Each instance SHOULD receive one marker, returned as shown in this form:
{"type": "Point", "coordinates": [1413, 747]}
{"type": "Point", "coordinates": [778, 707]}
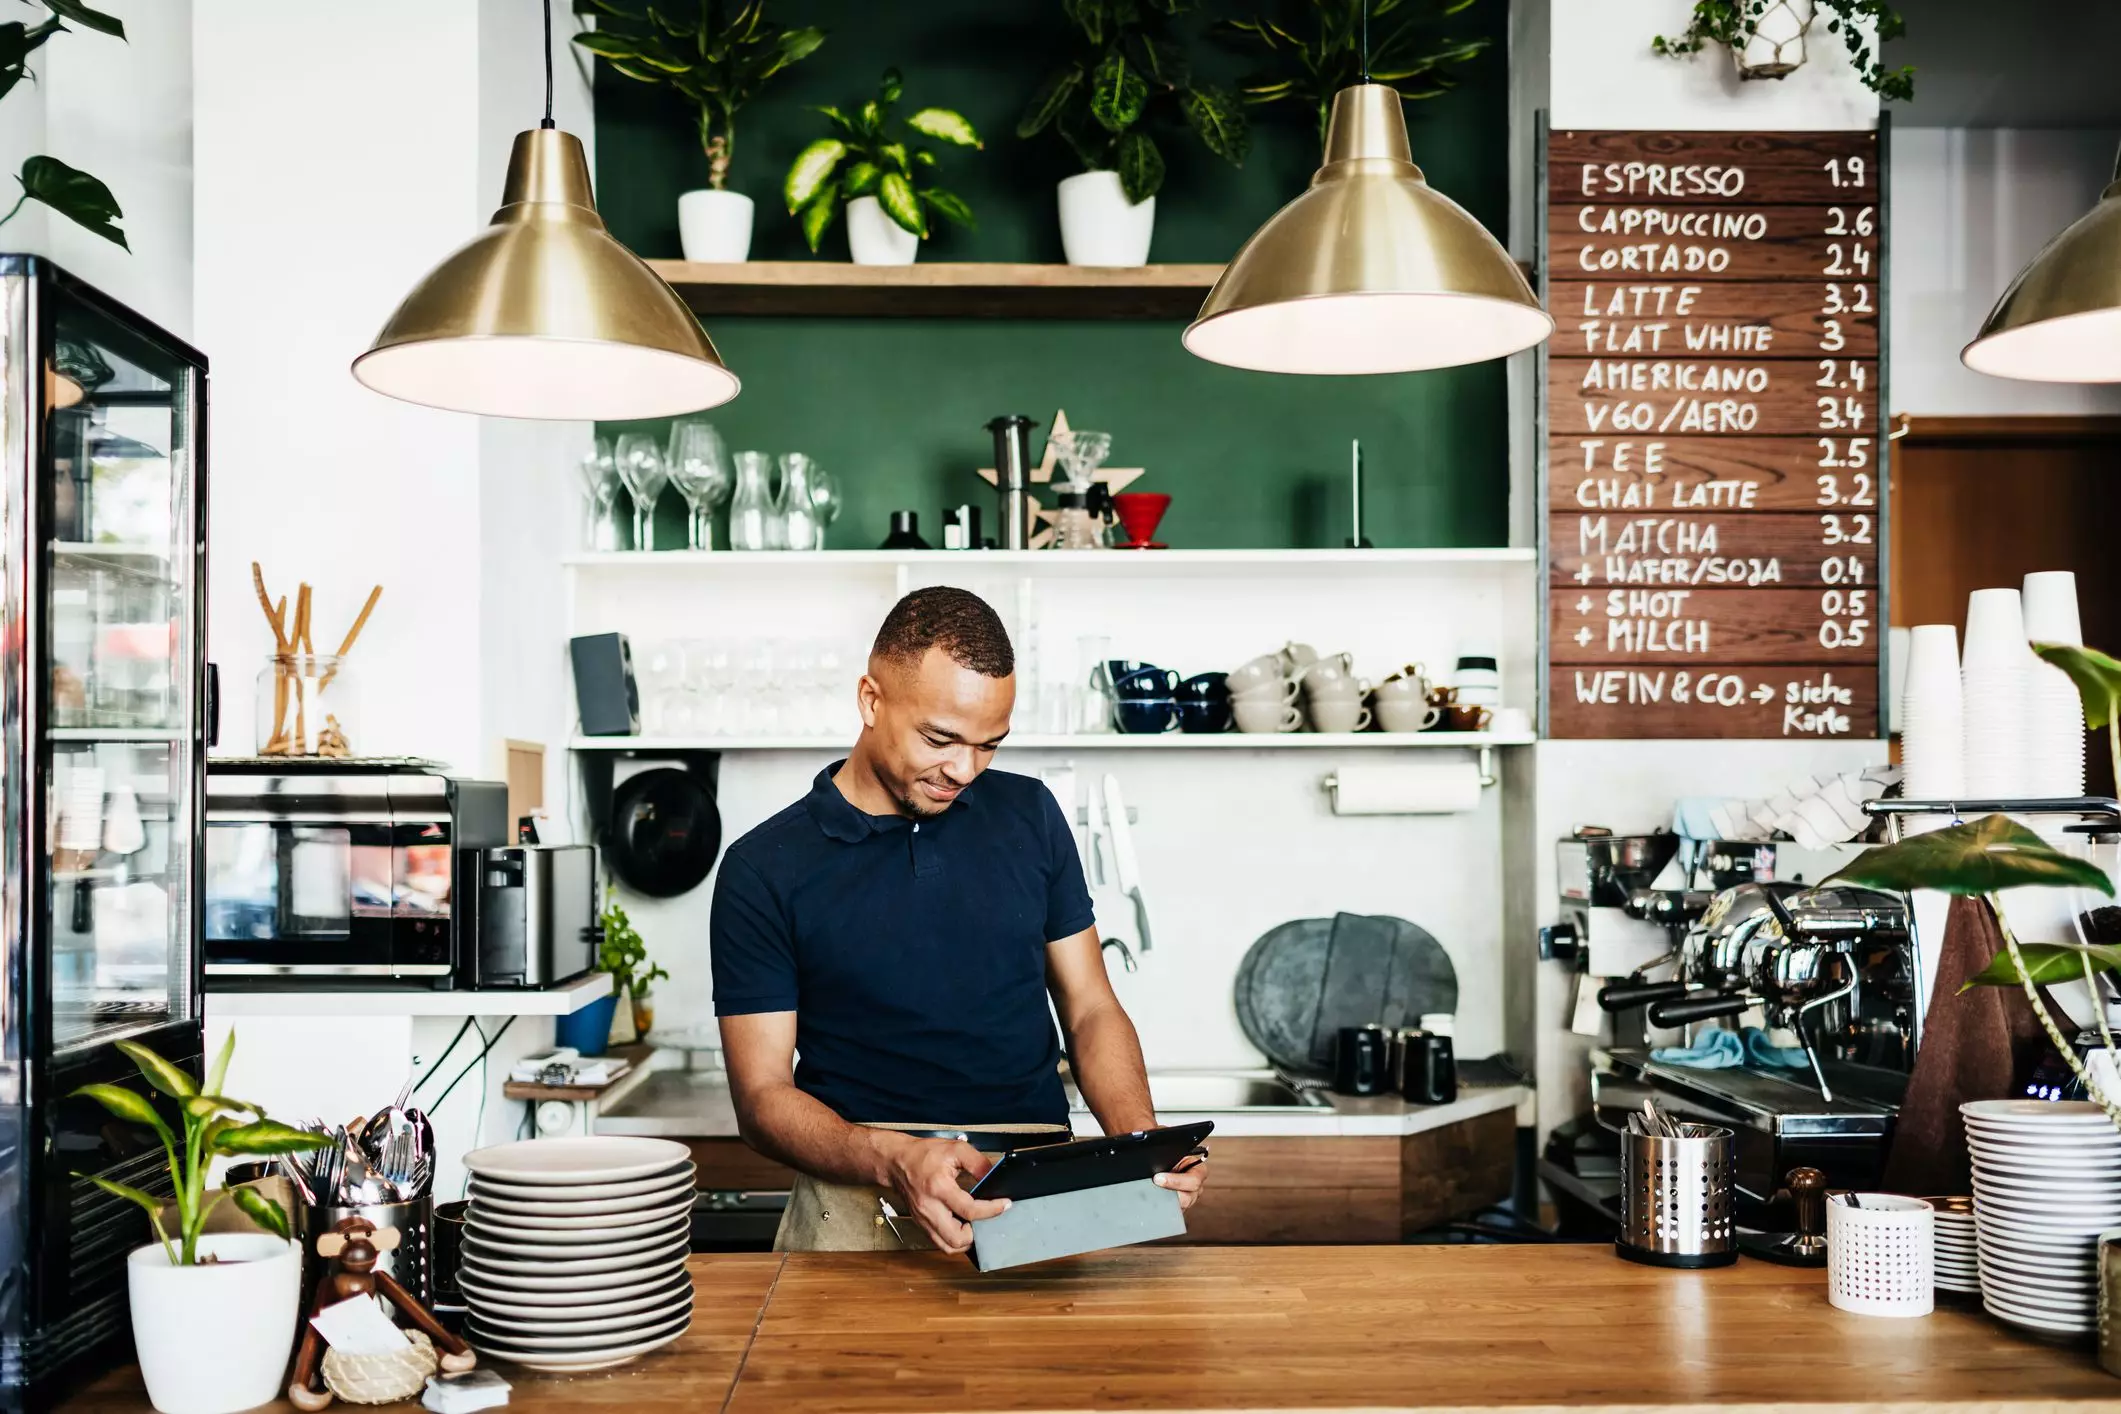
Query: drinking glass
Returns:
{"type": "Point", "coordinates": [598, 480]}
{"type": "Point", "coordinates": [699, 469]}
{"type": "Point", "coordinates": [1081, 454]}
{"type": "Point", "coordinates": [826, 499]}
{"type": "Point", "coordinates": [641, 467]}
{"type": "Point", "coordinates": [751, 507]}
{"type": "Point", "coordinates": [797, 514]}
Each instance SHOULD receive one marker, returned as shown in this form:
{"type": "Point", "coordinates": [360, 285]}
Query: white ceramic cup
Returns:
{"type": "Point", "coordinates": [1265, 714]}
{"type": "Point", "coordinates": [1264, 675]}
{"type": "Point", "coordinates": [1396, 714]}
{"type": "Point", "coordinates": [1337, 715]}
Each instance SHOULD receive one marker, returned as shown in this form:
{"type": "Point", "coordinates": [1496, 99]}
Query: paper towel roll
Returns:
{"type": "Point", "coordinates": [1425, 788]}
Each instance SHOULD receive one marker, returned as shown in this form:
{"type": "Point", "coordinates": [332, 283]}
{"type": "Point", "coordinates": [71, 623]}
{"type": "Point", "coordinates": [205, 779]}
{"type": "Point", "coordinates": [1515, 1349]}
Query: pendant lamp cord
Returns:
{"type": "Point", "coordinates": [1365, 44]}
{"type": "Point", "coordinates": [546, 7]}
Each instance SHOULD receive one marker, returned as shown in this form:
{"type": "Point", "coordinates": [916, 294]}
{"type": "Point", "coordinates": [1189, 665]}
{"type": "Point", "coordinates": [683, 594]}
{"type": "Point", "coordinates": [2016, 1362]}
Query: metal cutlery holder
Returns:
{"type": "Point", "coordinates": [1676, 1207]}
{"type": "Point", "coordinates": [412, 1264]}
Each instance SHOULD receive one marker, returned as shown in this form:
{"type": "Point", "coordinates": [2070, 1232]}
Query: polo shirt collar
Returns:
{"type": "Point", "coordinates": [840, 820]}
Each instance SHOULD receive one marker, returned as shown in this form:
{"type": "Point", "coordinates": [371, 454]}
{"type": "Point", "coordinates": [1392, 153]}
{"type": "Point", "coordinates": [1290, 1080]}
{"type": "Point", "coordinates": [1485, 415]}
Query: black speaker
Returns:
{"type": "Point", "coordinates": [604, 692]}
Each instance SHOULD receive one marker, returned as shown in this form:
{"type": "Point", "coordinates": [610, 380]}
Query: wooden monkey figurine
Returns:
{"type": "Point", "coordinates": [353, 1248]}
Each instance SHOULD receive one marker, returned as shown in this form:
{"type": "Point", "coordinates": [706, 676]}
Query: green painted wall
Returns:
{"type": "Point", "coordinates": [894, 407]}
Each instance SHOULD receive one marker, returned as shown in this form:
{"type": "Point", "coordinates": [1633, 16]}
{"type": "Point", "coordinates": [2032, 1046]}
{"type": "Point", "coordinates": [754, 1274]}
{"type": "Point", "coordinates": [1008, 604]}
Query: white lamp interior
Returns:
{"type": "Point", "coordinates": [546, 378]}
{"type": "Point", "coordinates": [1382, 332]}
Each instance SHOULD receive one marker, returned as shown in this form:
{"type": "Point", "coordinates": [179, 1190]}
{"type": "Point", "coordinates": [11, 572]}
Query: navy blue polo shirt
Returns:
{"type": "Point", "coordinates": [913, 953]}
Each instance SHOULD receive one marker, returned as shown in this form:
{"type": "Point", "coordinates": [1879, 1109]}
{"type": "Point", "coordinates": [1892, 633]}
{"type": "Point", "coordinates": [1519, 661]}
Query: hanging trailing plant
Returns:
{"type": "Point", "coordinates": [1316, 48]}
{"type": "Point", "coordinates": [1130, 69]}
{"type": "Point", "coordinates": [71, 192]}
{"type": "Point", "coordinates": [1761, 34]}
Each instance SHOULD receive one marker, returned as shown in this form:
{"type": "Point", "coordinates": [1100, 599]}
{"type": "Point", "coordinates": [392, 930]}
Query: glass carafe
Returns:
{"type": "Point", "coordinates": [751, 512]}
{"type": "Point", "coordinates": [798, 513]}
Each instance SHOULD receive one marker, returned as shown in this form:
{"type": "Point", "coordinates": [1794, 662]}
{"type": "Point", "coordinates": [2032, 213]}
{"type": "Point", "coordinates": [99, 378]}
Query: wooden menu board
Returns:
{"type": "Point", "coordinates": [1714, 506]}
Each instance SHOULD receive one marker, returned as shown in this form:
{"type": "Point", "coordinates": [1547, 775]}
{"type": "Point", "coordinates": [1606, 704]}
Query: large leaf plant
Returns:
{"type": "Point", "coordinates": [1315, 48]}
{"type": "Point", "coordinates": [716, 58]}
{"type": "Point", "coordinates": [71, 192]}
{"type": "Point", "coordinates": [1129, 69]}
{"type": "Point", "coordinates": [211, 1125]}
{"type": "Point", "coordinates": [1979, 858]}
{"type": "Point", "coordinates": [870, 155]}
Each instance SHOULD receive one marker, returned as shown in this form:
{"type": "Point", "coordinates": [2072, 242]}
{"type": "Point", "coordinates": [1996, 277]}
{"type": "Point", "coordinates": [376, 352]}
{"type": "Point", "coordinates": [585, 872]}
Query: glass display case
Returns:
{"type": "Point", "coordinates": [102, 753]}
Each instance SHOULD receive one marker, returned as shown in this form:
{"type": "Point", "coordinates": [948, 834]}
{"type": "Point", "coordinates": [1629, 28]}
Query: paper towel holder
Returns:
{"type": "Point", "coordinates": [1330, 783]}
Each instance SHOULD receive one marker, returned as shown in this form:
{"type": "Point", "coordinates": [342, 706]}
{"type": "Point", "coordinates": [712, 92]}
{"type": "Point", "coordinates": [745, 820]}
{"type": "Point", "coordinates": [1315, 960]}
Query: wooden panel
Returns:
{"type": "Point", "coordinates": [942, 290]}
{"type": "Point", "coordinates": [1713, 626]}
{"type": "Point", "coordinates": [1643, 700]}
{"type": "Point", "coordinates": [1707, 318]}
{"type": "Point", "coordinates": [1593, 241]}
{"type": "Point", "coordinates": [1356, 1162]}
{"type": "Point", "coordinates": [1321, 1216]}
{"type": "Point", "coordinates": [1710, 397]}
{"type": "Point", "coordinates": [1741, 550]}
{"type": "Point", "coordinates": [731, 1163]}
{"type": "Point", "coordinates": [1713, 168]}
{"type": "Point", "coordinates": [1455, 1171]}
{"type": "Point", "coordinates": [1629, 473]}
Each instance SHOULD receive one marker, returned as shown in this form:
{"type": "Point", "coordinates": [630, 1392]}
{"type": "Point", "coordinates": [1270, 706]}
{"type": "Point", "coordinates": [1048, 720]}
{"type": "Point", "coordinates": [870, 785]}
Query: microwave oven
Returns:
{"type": "Point", "coordinates": [363, 874]}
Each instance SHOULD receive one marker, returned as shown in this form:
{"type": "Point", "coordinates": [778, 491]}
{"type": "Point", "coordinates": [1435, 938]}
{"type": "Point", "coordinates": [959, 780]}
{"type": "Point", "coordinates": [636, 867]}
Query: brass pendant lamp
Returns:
{"type": "Point", "coordinates": [543, 314]}
{"type": "Point", "coordinates": [2060, 320]}
{"type": "Point", "coordinates": [1370, 269]}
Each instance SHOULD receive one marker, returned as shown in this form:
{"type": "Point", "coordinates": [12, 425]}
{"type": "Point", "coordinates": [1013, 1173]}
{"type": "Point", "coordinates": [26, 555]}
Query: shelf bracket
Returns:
{"type": "Point", "coordinates": [1487, 765]}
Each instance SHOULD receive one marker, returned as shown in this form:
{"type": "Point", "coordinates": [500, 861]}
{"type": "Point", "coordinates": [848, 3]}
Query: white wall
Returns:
{"type": "Point", "coordinates": [1970, 208]}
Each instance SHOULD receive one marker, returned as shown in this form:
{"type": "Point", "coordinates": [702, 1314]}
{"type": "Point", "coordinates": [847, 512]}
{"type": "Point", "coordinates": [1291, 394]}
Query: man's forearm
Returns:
{"type": "Point", "coordinates": [1106, 1057]}
{"type": "Point", "coordinates": [783, 1123]}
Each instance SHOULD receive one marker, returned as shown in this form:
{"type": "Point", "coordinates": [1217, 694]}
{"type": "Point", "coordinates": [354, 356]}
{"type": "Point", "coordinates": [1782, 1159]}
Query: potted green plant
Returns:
{"type": "Point", "coordinates": [71, 192]}
{"type": "Point", "coordinates": [1767, 37]}
{"type": "Point", "coordinates": [214, 1314]}
{"type": "Point", "coordinates": [624, 955]}
{"type": "Point", "coordinates": [716, 58]}
{"type": "Point", "coordinates": [1128, 70]}
{"type": "Point", "coordinates": [885, 183]}
{"type": "Point", "coordinates": [1315, 48]}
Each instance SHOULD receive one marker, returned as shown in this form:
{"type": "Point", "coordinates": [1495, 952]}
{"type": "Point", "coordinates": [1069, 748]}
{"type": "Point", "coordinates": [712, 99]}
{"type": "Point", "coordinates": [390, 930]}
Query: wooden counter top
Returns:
{"type": "Point", "coordinates": [1434, 1328]}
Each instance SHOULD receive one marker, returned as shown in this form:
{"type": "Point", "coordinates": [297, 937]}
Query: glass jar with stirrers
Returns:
{"type": "Point", "coordinates": [798, 519]}
{"type": "Point", "coordinates": [307, 703]}
{"type": "Point", "coordinates": [699, 469]}
{"type": "Point", "coordinates": [597, 477]}
{"type": "Point", "coordinates": [751, 516]}
{"type": "Point", "coordinates": [640, 462]}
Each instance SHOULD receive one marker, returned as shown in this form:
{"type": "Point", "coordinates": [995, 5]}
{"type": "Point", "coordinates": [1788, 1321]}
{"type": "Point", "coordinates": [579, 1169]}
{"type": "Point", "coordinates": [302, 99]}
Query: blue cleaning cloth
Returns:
{"type": "Point", "coordinates": [1760, 1051]}
{"type": "Point", "coordinates": [1716, 1050]}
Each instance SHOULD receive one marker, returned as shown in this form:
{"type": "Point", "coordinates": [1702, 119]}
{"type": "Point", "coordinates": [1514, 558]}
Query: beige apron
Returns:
{"type": "Point", "coordinates": [848, 1217]}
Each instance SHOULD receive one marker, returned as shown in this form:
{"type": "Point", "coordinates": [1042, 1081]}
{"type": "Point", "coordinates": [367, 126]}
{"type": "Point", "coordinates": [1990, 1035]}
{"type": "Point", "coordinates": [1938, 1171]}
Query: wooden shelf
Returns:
{"type": "Point", "coordinates": [1090, 741]}
{"type": "Point", "coordinates": [1155, 564]}
{"type": "Point", "coordinates": [563, 1000]}
{"type": "Point", "coordinates": [943, 290]}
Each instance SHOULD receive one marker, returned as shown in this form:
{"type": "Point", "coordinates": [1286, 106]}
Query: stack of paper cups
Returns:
{"type": "Point", "coordinates": [2054, 713]}
{"type": "Point", "coordinates": [1932, 727]}
{"type": "Point", "coordinates": [1994, 676]}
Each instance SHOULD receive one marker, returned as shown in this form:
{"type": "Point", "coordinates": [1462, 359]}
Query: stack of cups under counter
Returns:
{"type": "Point", "coordinates": [1995, 679]}
{"type": "Point", "coordinates": [2054, 713]}
{"type": "Point", "coordinates": [1932, 726]}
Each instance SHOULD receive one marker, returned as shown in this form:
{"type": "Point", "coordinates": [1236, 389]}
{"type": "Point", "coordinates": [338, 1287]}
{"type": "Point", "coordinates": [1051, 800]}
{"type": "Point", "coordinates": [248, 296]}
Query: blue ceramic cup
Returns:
{"type": "Point", "coordinates": [1201, 717]}
{"type": "Point", "coordinates": [1205, 687]}
{"type": "Point", "coordinates": [1144, 716]}
{"type": "Point", "coordinates": [1146, 683]}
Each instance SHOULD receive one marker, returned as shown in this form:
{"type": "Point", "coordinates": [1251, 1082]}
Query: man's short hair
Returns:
{"type": "Point", "coordinates": [955, 620]}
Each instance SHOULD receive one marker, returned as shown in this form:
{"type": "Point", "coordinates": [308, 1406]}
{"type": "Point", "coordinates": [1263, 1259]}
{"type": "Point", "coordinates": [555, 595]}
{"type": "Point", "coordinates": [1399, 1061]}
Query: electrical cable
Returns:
{"type": "Point", "coordinates": [1365, 53]}
{"type": "Point", "coordinates": [546, 7]}
{"type": "Point", "coordinates": [435, 1067]}
{"type": "Point", "coordinates": [497, 1035]}
{"type": "Point", "coordinates": [478, 1123]}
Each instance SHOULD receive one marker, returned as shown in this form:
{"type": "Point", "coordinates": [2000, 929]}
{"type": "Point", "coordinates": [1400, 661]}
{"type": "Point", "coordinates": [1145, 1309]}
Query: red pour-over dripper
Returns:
{"type": "Point", "coordinates": [1139, 514]}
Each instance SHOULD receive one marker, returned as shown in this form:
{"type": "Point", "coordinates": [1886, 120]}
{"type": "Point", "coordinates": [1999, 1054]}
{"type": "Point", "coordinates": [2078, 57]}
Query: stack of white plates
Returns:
{"type": "Point", "coordinates": [2047, 1182]}
{"type": "Point", "coordinates": [574, 1250]}
{"type": "Point", "coordinates": [1952, 1245]}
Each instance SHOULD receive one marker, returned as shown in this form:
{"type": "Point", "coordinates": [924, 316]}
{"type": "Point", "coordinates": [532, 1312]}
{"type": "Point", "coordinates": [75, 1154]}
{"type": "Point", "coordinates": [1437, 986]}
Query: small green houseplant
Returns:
{"type": "Point", "coordinates": [1129, 70]}
{"type": "Point", "coordinates": [1766, 37]}
{"type": "Point", "coordinates": [69, 191]}
{"type": "Point", "coordinates": [885, 183]}
{"type": "Point", "coordinates": [1316, 48]}
{"type": "Point", "coordinates": [624, 955]}
{"type": "Point", "coordinates": [715, 56]}
{"type": "Point", "coordinates": [214, 1314]}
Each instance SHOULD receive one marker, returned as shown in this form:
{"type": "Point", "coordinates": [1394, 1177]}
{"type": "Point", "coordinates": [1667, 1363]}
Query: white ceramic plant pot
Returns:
{"type": "Point", "coordinates": [715, 226]}
{"type": "Point", "coordinates": [873, 238]}
{"type": "Point", "coordinates": [1099, 226]}
{"type": "Point", "coordinates": [215, 1338]}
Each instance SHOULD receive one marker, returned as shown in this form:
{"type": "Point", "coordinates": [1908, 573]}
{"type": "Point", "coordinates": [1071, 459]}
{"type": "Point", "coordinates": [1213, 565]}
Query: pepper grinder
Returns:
{"type": "Point", "coordinates": [1012, 477]}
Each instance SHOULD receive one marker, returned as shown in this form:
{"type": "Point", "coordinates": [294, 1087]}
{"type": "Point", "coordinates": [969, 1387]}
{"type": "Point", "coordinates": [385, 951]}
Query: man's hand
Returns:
{"type": "Point", "coordinates": [1186, 1181]}
{"type": "Point", "coordinates": [925, 1172]}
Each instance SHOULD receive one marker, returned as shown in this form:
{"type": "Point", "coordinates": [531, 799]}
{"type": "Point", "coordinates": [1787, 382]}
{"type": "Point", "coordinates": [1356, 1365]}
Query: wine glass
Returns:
{"type": "Point", "coordinates": [598, 478]}
{"type": "Point", "coordinates": [826, 499]}
{"type": "Point", "coordinates": [699, 469]}
{"type": "Point", "coordinates": [1081, 454]}
{"type": "Point", "coordinates": [641, 467]}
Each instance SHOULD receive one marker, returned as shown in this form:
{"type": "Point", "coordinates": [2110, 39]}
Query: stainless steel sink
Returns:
{"type": "Point", "coordinates": [1200, 1092]}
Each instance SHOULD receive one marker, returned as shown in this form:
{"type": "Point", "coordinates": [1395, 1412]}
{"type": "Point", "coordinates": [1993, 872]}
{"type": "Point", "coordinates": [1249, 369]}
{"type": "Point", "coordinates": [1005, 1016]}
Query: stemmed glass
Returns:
{"type": "Point", "coordinates": [699, 469]}
{"type": "Point", "coordinates": [1081, 454]}
{"type": "Point", "coordinates": [825, 500]}
{"type": "Point", "coordinates": [598, 477]}
{"type": "Point", "coordinates": [641, 468]}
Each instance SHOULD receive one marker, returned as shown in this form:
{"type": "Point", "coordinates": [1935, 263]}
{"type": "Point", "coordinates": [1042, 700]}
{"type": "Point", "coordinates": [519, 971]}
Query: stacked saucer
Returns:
{"type": "Point", "coordinates": [574, 1250]}
{"type": "Point", "coordinates": [1952, 1245]}
{"type": "Point", "coordinates": [2047, 1182]}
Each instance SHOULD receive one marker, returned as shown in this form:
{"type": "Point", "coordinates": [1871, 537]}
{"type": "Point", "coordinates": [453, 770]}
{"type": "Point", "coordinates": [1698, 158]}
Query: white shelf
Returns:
{"type": "Point", "coordinates": [109, 549]}
{"type": "Point", "coordinates": [558, 1001]}
{"type": "Point", "coordinates": [1148, 563]}
{"type": "Point", "coordinates": [117, 734]}
{"type": "Point", "coordinates": [1087, 741]}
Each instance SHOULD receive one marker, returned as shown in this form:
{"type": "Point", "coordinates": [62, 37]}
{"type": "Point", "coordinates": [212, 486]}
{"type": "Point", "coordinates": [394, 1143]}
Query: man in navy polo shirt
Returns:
{"type": "Point", "coordinates": [901, 928]}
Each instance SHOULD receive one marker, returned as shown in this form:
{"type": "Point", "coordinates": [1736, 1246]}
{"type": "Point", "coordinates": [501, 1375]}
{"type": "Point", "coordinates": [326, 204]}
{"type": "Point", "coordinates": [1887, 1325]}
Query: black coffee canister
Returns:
{"type": "Point", "coordinates": [1362, 1060]}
